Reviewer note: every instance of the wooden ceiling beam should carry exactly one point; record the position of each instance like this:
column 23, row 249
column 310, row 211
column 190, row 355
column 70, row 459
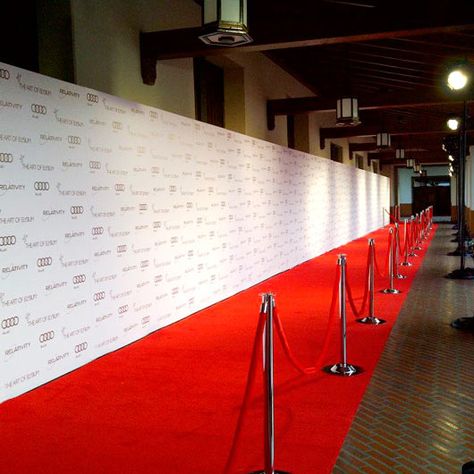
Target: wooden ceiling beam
column 301, row 105
column 185, row 42
column 368, row 131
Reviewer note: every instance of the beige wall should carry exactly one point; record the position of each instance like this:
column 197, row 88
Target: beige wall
column 107, row 58
column 107, row 52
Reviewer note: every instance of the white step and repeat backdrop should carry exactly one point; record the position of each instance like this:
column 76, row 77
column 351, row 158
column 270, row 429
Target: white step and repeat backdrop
column 117, row 219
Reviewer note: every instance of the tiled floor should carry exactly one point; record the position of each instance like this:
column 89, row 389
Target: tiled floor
column 417, row 415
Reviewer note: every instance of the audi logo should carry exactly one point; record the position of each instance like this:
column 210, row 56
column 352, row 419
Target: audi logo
column 143, row 207
column 94, row 165
column 117, row 125
column 97, row 230
column 123, row 309
column 75, row 210
column 99, row 296
column 121, row 248
column 4, row 74
column 119, row 187
column 8, row 323
column 76, row 279
column 39, row 109
column 153, row 114
column 7, row 240
column 44, row 262
column 46, row 336
column 74, row 140
column 6, row 157
column 41, row 186
column 80, row 347
column 173, row 189
column 92, row 98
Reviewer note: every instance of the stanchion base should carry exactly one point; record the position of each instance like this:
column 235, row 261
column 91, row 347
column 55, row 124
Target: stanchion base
column 464, row 274
column 413, row 254
column 418, row 248
column 400, row 277
column 391, row 291
column 275, row 472
column 371, row 320
column 345, row 370
column 466, row 324
column 406, row 264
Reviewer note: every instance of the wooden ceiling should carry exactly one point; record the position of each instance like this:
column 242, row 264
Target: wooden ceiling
column 393, row 56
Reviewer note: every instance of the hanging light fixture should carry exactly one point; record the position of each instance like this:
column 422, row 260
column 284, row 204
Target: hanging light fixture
column 347, row 112
column 383, row 140
column 225, row 23
column 410, row 163
column 400, row 154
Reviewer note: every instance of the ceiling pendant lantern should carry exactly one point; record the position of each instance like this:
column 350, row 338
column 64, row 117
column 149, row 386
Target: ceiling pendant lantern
column 225, row 23
column 410, row 163
column 347, row 112
column 400, row 154
column 383, row 140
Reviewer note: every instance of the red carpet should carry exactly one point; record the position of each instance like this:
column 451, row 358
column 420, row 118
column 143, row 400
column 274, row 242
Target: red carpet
column 168, row 404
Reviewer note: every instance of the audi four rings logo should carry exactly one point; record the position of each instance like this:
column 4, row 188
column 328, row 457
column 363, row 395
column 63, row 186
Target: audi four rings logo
column 8, row 323
column 99, row 296
column 92, row 98
column 121, row 248
column 7, row 240
column 73, row 140
column 46, row 336
column 94, row 165
column 123, row 309
column 97, row 230
column 41, row 186
column 76, row 279
column 6, row 157
column 39, row 109
column 4, row 74
column 75, row 210
column 117, row 125
column 80, row 347
column 44, row 262
column 119, row 187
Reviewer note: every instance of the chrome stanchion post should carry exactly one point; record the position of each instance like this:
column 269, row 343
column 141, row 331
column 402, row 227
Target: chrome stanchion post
column 397, row 254
column 371, row 318
column 391, row 264
column 268, row 305
column 343, row 368
column 406, row 239
column 418, row 232
column 412, row 237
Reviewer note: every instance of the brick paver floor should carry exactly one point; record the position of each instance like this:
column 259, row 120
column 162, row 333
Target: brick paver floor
column 417, row 415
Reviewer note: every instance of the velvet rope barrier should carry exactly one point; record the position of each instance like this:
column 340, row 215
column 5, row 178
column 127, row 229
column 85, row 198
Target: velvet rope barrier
column 392, row 217
column 248, row 390
column 284, row 341
column 387, row 256
column 358, row 313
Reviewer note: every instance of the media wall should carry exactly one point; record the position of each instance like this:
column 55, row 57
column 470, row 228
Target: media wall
column 117, row 219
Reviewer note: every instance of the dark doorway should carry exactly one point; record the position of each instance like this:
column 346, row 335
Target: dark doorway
column 209, row 92
column 432, row 191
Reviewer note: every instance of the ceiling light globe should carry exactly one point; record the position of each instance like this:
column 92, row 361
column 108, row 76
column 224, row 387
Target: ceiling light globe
column 453, row 123
column 457, row 80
